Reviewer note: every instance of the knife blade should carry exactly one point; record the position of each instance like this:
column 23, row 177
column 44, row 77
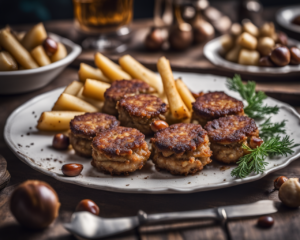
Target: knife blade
column 89, row 226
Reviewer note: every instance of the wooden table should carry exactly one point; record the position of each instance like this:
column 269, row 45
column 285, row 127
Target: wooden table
column 118, row 204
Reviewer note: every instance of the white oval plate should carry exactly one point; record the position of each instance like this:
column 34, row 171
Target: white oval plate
column 34, row 148
column 285, row 15
column 213, row 49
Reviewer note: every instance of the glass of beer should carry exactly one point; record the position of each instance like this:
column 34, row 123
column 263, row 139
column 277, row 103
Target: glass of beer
column 104, row 22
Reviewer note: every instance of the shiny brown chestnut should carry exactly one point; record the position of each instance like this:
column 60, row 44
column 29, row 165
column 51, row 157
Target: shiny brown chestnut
column 265, row 222
column 282, row 38
column 296, row 20
column 158, row 125
column 34, row 204
column 181, row 36
column 50, row 46
column 155, row 39
column 295, row 55
column 266, row 62
column 281, row 56
column 279, row 181
column 72, row 169
column 88, row 206
column 60, row 141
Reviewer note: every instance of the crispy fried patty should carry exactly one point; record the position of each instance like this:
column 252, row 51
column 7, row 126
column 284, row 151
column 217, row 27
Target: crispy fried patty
column 231, row 129
column 140, row 111
column 181, row 149
column 119, row 89
column 214, row 105
column 120, row 150
column 228, row 134
column 85, row 127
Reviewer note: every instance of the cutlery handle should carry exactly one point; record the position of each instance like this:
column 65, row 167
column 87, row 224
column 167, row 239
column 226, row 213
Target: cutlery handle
column 211, row 213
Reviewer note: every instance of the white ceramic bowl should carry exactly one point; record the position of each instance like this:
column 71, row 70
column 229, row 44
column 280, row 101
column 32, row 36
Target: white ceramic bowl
column 21, row 81
column 213, row 49
column 285, row 15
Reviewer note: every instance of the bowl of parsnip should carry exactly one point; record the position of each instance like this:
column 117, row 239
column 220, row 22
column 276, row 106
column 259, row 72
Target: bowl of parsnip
column 255, row 50
column 31, row 60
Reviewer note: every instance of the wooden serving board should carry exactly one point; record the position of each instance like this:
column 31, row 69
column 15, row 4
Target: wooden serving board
column 4, row 174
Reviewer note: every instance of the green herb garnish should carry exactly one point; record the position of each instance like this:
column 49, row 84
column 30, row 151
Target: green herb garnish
column 255, row 160
column 255, row 108
column 268, row 130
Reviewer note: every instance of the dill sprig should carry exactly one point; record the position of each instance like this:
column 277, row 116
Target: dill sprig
column 268, row 129
column 255, row 108
column 255, row 160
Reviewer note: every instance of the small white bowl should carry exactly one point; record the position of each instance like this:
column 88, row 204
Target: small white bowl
column 212, row 51
column 21, row 81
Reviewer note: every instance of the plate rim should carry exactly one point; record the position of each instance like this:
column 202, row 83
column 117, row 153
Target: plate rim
column 281, row 21
column 217, row 60
column 167, row 190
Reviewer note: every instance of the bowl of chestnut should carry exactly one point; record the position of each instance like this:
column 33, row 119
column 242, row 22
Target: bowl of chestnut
column 18, row 79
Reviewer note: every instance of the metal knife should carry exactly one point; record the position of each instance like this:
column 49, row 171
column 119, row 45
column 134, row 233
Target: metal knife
column 89, row 226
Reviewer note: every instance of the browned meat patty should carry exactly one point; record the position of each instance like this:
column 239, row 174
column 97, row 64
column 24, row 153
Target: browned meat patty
column 139, row 111
column 214, row 105
column 120, row 150
column 85, row 127
column 181, row 149
column 120, row 89
column 228, row 134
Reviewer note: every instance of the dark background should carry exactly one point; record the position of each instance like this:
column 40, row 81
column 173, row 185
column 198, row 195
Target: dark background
column 32, row 11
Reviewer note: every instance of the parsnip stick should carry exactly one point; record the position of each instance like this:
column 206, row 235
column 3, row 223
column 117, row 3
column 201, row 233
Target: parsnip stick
column 34, row 37
column 185, row 94
column 40, row 56
column 13, row 46
column 95, row 89
column 110, row 69
column 67, row 102
column 7, row 62
column 177, row 106
column 86, row 71
column 73, row 88
column 60, row 53
column 96, row 103
column 138, row 71
column 56, row 120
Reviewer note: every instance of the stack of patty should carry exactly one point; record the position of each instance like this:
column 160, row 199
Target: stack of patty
column 120, row 150
column 214, row 105
column 140, row 111
column 85, row 127
column 123, row 88
column 181, row 149
column 228, row 134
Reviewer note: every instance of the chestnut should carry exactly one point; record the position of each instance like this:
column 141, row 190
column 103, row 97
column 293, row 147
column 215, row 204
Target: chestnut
column 155, row 39
column 34, row 204
column 295, row 55
column 281, row 56
column 50, row 46
column 60, row 141
column 88, row 206
column 203, row 31
column 265, row 62
column 289, row 193
column 265, row 222
column 181, row 36
column 296, row 20
column 282, row 38
column 158, row 125
column 72, row 169
column 279, row 181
